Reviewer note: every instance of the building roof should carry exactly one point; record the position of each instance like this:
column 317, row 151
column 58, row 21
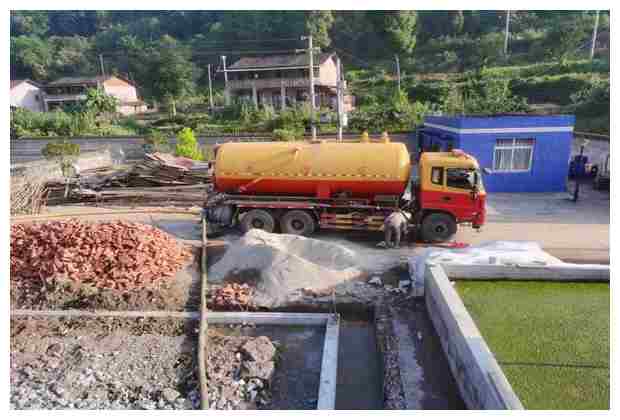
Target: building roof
column 20, row 81
column 470, row 124
column 277, row 61
column 68, row 81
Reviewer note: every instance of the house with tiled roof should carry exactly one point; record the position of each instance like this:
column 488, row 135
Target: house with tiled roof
column 284, row 80
column 71, row 90
column 26, row 94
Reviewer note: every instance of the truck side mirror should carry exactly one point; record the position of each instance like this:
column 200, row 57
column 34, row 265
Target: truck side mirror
column 487, row 171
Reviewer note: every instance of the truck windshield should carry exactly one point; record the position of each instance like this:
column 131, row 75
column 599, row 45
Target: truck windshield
column 462, row 178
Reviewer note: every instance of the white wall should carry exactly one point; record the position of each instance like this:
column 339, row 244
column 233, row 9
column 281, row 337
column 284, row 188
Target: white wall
column 120, row 89
column 25, row 95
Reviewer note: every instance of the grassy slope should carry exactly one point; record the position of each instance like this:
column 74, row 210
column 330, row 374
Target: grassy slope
column 551, row 339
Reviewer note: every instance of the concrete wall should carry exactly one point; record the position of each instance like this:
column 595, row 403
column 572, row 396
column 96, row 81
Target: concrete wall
column 328, row 73
column 26, row 95
column 120, row 89
column 482, row 383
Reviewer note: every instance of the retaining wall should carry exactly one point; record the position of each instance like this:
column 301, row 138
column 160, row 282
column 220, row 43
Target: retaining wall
column 27, row 150
column 481, row 381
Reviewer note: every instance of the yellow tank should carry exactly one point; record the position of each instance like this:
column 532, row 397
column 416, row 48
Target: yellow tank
column 325, row 169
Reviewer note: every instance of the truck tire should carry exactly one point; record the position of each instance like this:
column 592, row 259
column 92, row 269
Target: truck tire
column 258, row 219
column 438, row 227
column 297, row 222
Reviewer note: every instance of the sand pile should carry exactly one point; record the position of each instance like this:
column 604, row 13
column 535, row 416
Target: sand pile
column 116, row 255
column 281, row 264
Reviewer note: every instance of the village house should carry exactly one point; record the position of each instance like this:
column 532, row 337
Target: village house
column 71, row 90
column 284, row 80
column 26, row 94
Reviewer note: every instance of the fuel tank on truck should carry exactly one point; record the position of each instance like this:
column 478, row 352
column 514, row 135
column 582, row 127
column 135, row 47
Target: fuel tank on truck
column 322, row 169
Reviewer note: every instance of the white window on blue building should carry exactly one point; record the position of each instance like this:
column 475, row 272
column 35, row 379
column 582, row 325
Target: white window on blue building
column 513, row 155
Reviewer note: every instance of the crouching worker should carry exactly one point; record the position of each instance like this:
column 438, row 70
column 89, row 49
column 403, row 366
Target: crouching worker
column 395, row 227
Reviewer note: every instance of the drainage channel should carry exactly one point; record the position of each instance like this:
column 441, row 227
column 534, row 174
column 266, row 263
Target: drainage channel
column 427, row 381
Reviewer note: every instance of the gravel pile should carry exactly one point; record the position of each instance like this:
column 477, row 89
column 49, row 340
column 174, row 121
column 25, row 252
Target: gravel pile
column 115, row 255
column 282, row 264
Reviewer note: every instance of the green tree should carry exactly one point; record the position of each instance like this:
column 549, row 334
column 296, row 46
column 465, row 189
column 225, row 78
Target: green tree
column 566, row 36
column 29, row 23
column 170, row 72
column 98, row 102
column 401, row 28
column 491, row 95
column 72, row 56
column 187, row 145
column 318, row 24
column 31, row 57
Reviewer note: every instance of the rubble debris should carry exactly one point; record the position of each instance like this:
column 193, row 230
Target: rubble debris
column 376, row 280
column 239, row 370
column 108, row 255
column 233, row 296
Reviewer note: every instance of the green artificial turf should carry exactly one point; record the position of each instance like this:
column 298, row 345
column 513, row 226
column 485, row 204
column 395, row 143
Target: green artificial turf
column 551, row 339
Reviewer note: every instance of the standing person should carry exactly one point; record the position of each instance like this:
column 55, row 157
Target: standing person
column 395, row 228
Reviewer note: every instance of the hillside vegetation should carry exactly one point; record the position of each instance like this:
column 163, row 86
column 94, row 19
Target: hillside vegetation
column 451, row 61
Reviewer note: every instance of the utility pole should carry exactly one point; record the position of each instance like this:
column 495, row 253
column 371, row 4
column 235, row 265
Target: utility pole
column 507, row 34
column 101, row 65
column 210, row 87
column 339, row 104
column 397, row 70
column 311, row 67
column 594, row 33
column 226, row 93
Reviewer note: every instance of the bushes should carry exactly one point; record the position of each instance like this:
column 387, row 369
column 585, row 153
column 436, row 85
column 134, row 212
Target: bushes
column 484, row 95
column 49, row 124
column 156, row 141
column 63, row 152
column 554, row 89
column 187, row 145
column 280, row 134
column 548, row 69
column 593, row 98
column 395, row 114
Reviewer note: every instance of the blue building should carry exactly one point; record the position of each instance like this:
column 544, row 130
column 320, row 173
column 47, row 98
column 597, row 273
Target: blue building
column 525, row 153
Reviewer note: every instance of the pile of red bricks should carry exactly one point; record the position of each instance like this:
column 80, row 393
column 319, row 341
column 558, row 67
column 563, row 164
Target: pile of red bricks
column 233, row 296
column 115, row 255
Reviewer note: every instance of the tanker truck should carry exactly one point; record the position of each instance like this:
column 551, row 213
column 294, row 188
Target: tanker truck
column 299, row 188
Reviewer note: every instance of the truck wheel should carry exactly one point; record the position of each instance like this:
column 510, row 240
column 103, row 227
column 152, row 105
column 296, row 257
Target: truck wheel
column 297, row 222
column 258, row 219
column 438, row 227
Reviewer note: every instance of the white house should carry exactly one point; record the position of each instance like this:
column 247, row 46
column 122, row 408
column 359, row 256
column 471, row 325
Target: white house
column 68, row 90
column 26, row 94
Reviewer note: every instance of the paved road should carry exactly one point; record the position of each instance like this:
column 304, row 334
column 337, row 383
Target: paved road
column 575, row 232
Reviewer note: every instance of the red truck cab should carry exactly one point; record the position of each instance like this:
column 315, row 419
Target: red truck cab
column 449, row 192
